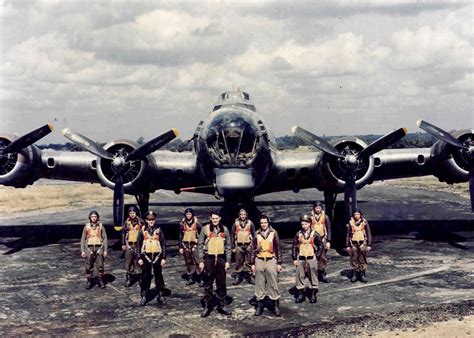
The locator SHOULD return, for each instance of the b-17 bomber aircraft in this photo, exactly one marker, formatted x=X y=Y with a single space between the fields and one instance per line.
x=235 y=157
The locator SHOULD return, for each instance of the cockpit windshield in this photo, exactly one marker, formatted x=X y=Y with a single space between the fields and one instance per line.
x=232 y=140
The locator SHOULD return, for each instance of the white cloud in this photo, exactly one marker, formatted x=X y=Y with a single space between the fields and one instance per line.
x=430 y=47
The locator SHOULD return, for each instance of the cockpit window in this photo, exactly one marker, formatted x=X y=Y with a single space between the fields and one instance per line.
x=232 y=140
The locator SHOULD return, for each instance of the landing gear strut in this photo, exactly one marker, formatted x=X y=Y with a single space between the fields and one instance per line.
x=143 y=201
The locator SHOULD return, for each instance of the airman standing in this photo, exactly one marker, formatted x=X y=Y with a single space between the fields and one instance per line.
x=189 y=231
x=266 y=261
x=322 y=225
x=214 y=257
x=307 y=247
x=153 y=257
x=241 y=234
x=94 y=248
x=131 y=228
x=358 y=244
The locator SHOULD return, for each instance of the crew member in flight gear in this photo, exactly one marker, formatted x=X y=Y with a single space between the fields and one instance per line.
x=266 y=261
x=358 y=244
x=131 y=228
x=322 y=225
x=94 y=248
x=189 y=231
x=153 y=256
x=307 y=247
x=242 y=233
x=214 y=257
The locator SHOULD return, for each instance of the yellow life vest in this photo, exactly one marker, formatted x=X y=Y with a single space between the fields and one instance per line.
x=190 y=232
x=242 y=235
x=319 y=225
x=133 y=230
x=215 y=243
x=151 y=242
x=306 y=246
x=265 y=245
x=94 y=234
x=358 y=231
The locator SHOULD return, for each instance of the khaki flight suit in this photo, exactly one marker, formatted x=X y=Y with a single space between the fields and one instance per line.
x=266 y=255
x=242 y=234
x=358 y=238
x=188 y=241
x=307 y=247
x=93 y=244
x=322 y=225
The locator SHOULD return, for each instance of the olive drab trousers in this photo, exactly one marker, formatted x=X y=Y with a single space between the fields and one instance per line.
x=94 y=257
x=214 y=266
x=131 y=260
x=307 y=268
x=191 y=258
x=323 y=260
x=148 y=266
x=358 y=255
x=242 y=258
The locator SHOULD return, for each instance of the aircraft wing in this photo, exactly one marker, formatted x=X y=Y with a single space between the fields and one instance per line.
x=312 y=168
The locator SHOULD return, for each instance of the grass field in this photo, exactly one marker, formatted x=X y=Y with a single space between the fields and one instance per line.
x=57 y=197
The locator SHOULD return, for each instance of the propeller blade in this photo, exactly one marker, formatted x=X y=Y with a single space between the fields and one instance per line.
x=316 y=141
x=440 y=134
x=471 y=185
x=86 y=144
x=118 y=204
x=383 y=142
x=141 y=152
x=28 y=139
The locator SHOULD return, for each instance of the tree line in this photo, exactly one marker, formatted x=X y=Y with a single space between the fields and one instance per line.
x=412 y=140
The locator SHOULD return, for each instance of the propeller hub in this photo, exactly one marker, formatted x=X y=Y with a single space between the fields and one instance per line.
x=351 y=161
x=470 y=151
x=118 y=162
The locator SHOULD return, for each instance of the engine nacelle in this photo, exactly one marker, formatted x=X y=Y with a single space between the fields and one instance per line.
x=19 y=169
x=333 y=168
x=450 y=164
x=134 y=173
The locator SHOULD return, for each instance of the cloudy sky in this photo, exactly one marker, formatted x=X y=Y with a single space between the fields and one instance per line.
x=128 y=69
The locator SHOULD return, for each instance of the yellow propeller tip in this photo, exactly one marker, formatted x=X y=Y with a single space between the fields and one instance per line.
x=51 y=127
x=175 y=131
x=293 y=129
x=405 y=130
x=118 y=228
x=418 y=122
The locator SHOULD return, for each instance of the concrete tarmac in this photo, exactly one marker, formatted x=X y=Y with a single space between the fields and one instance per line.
x=413 y=267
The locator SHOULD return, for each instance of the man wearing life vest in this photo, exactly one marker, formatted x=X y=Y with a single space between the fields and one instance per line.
x=266 y=261
x=94 y=248
x=214 y=258
x=130 y=230
x=189 y=230
x=358 y=244
x=322 y=225
x=153 y=256
x=307 y=247
x=242 y=234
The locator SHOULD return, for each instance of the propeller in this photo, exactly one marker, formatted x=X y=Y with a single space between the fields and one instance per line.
x=466 y=149
x=27 y=139
x=120 y=161
x=350 y=162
